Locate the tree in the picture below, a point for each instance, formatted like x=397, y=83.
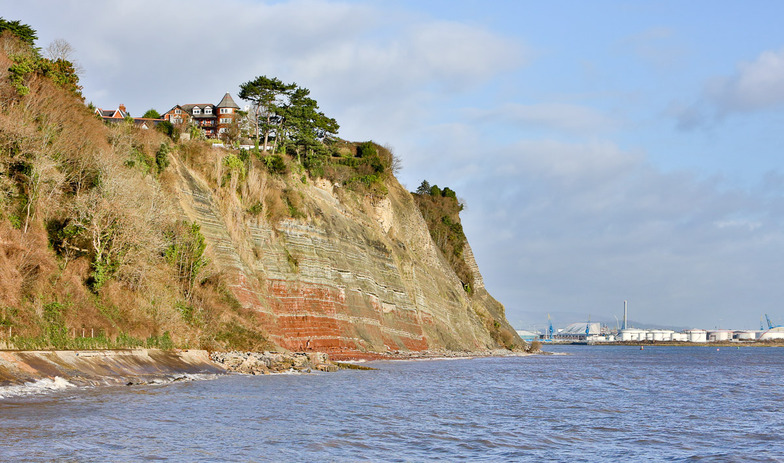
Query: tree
x=267, y=95
x=303, y=124
x=60, y=49
x=152, y=114
x=424, y=188
x=26, y=33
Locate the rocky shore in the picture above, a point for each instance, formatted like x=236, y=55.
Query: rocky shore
x=264, y=363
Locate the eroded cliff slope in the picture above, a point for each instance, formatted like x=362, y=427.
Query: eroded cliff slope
x=351, y=274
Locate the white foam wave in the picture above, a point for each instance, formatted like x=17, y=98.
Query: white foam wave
x=41, y=386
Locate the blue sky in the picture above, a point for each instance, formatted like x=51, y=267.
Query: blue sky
x=606, y=150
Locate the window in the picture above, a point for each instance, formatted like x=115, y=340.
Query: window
x=208, y=110
x=196, y=110
x=221, y=130
x=225, y=110
x=177, y=111
x=225, y=120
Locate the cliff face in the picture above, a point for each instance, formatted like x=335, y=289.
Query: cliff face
x=354, y=275
x=94, y=252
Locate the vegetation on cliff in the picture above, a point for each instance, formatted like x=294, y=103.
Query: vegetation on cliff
x=94, y=251
x=441, y=210
x=91, y=251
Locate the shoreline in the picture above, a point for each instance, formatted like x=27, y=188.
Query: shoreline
x=34, y=372
x=103, y=367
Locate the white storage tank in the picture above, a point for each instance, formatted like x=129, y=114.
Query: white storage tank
x=773, y=333
x=745, y=335
x=719, y=335
x=632, y=334
x=680, y=337
x=697, y=335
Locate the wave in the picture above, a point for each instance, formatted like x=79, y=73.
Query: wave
x=41, y=386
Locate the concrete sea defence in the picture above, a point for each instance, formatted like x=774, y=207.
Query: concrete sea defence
x=143, y=366
x=132, y=366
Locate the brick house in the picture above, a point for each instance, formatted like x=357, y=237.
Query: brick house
x=213, y=119
x=119, y=115
x=116, y=114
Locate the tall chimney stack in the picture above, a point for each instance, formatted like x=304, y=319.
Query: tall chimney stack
x=624, y=314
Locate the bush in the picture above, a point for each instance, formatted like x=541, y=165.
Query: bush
x=275, y=164
x=186, y=253
x=166, y=128
x=162, y=157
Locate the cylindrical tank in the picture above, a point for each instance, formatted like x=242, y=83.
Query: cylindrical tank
x=773, y=333
x=631, y=334
x=680, y=337
x=697, y=335
x=745, y=335
x=719, y=335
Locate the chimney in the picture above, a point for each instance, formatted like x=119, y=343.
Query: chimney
x=624, y=315
x=122, y=108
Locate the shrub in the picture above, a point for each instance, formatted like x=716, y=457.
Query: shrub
x=186, y=253
x=275, y=164
x=166, y=128
x=162, y=157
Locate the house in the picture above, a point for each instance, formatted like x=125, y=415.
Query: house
x=112, y=114
x=120, y=114
x=213, y=119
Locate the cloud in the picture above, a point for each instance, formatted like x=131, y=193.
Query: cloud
x=755, y=86
x=369, y=66
x=657, y=46
x=583, y=226
x=557, y=116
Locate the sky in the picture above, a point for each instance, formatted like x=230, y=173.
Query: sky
x=605, y=150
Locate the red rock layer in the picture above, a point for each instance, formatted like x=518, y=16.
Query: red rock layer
x=308, y=316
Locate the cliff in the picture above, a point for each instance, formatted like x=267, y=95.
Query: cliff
x=351, y=276
x=113, y=236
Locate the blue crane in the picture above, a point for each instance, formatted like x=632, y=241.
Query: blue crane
x=770, y=323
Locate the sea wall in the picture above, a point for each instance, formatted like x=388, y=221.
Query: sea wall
x=103, y=367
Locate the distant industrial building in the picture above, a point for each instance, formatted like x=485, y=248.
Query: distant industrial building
x=596, y=333
x=578, y=332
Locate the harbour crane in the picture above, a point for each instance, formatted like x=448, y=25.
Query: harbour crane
x=770, y=323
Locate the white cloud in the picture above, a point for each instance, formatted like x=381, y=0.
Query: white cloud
x=657, y=46
x=755, y=86
x=583, y=226
x=558, y=116
x=369, y=66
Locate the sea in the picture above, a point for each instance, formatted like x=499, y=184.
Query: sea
x=583, y=403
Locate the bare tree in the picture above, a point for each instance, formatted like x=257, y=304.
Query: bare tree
x=61, y=49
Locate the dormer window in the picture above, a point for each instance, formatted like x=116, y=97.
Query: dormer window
x=208, y=110
x=196, y=111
